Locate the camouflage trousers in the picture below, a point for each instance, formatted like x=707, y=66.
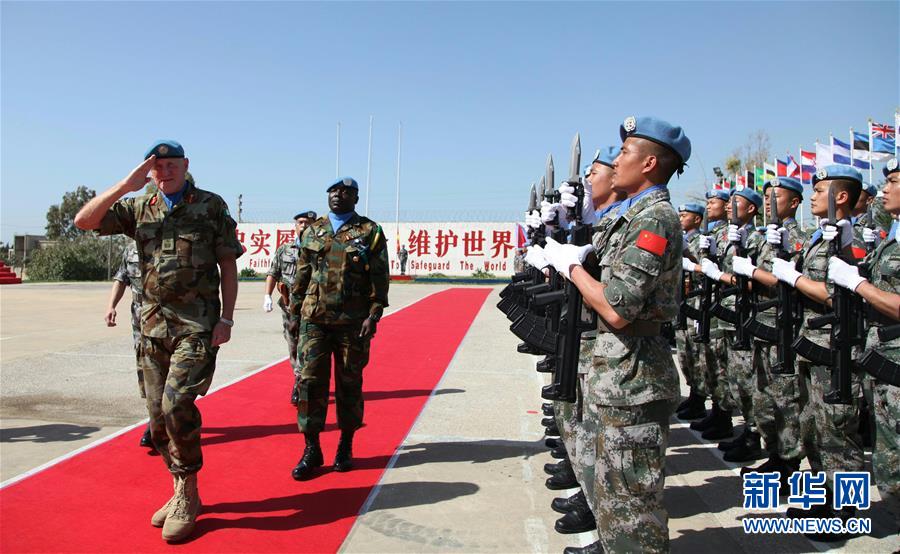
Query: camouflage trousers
x=886, y=456
x=584, y=430
x=566, y=414
x=317, y=345
x=136, y=337
x=830, y=431
x=708, y=368
x=723, y=391
x=288, y=336
x=176, y=371
x=740, y=377
x=630, y=476
x=776, y=404
x=688, y=356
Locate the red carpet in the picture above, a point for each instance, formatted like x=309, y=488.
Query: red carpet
x=101, y=500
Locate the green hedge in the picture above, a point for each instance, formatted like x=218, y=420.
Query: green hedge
x=81, y=259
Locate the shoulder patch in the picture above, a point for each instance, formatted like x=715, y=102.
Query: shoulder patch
x=651, y=242
x=858, y=253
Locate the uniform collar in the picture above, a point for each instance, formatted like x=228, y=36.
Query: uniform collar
x=634, y=200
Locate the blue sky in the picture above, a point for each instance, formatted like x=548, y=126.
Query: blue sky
x=484, y=90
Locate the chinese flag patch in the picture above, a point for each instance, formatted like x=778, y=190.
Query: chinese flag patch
x=798, y=246
x=858, y=253
x=651, y=242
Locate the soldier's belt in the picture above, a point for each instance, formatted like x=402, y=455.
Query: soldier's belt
x=818, y=355
x=880, y=367
x=874, y=316
x=639, y=328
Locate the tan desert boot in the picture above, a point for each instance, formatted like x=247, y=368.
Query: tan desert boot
x=183, y=511
x=159, y=517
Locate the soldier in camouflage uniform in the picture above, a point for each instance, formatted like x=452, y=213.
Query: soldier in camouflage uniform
x=739, y=370
x=129, y=275
x=776, y=397
x=830, y=431
x=882, y=293
x=340, y=291
x=281, y=274
x=184, y=236
x=690, y=216
x=634, y=382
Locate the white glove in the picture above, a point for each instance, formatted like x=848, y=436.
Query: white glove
x=869, y=235
x=696, y=327
x=706, y=242
x=563, y=256
x=774, y=235
x=533, y=219
x=710, y=269
x=785, y=272
x=830, y=232
x=688, y=265
x=568, y=199
x=734, y=233
x=267, y=303
x=567, y=195
x=843, y=274
x=549, y=211
x=743, y=266
x=535, y=257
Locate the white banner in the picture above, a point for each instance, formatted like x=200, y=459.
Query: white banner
x=450, y=248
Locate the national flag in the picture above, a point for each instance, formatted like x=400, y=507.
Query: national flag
x=759, y=177
x=793, y=168
x=807, y=166
x=840, y=152
x=770, y=172
x=521, y=237
x=884, y=140
x=823, y=156
x=749, y=177
x=741, y=181
x=781, y=168
x=860, y=146
x=651, y=242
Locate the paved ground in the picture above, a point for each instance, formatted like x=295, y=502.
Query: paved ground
x=468, y=478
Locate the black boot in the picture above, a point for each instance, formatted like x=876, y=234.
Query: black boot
x=721, y=427
x=725, y=446
x=559, y=452
x=770, y=465
x=545, y=365
x=295, y=394
x=312, y=458
x=593, y=548
x=525, y=348
x=547, y=409
x=704, y=423
x=343, y=459
x=548, y=421
x=565, y=479
x=552, y=442
x=145, y=438
x=549, y=392
x=747, y=451
x=566, y=505
x=579, y=520
x=552, y=431
x=786, y=469
x=553, y=469
x=843, y=514
x=693, y=408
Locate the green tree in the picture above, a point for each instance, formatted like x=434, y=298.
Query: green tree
x=61, y=217
x=751, y=154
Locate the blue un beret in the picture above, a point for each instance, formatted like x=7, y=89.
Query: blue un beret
x=165, y=148
x=870, y=188
x=606, y=155
x=721, y=194
x=348, y=182
x=692, y=207
x=891, y=167
x=838, y=172
x=751, y=195
x=658, y=131
x=788, y=183
x=309, y=214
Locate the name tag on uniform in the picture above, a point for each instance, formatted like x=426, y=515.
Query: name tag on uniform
x=168, y=245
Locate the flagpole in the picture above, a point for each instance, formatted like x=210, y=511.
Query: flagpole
x=399, y=142
x=369, y=164
x=871, y=160
x=802, y=183
x=851, y=146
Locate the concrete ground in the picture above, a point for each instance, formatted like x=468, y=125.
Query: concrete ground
x=468, y=478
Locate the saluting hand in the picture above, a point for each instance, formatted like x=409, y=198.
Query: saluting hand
x=139, y=176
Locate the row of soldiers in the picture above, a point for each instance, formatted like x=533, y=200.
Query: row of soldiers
x=645, y=266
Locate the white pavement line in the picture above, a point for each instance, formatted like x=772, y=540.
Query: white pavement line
x=98, y=442
x=390, y=465
x=218, y=359
x=536, y=533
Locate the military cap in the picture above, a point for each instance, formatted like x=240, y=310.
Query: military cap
x=348, y=182
x=165, y=148
x=870, y=188
x=658, y=131
x=838, y=172
x=788, y=183
x=751, y=195
x=309, y=214
x=692, y=207
x=721, y=194
x=607, y=155
x=891, y=167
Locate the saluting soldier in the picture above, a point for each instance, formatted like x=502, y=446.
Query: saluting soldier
x=281, y=276
x=185, y=237
x=339, y=294
x=882, y=293
x=633, y=381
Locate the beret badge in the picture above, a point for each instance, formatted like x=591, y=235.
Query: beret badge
x=821, y=174
x=630, y=124
x=892, y=164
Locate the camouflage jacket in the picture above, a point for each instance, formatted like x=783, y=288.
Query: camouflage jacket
x=130, y=271
x=767, y=254
x=752, y=244
x=179, y=253
x=884, y=268
x=341, y=278
x=640, y=263
x=815, y=266
x=284, y=263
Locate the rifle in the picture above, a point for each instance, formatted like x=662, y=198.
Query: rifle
x=687, y=286
x=705, y=291
x=743, y=301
